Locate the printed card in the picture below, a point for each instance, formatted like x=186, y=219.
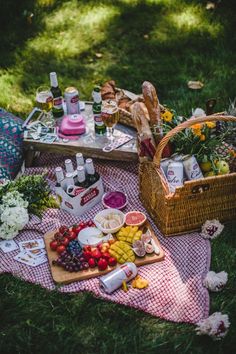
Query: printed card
x=36, y=253
x=25, y=258
x=8, y=246
x=31, y=245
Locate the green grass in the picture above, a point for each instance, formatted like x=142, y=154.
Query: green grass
x=168, y=42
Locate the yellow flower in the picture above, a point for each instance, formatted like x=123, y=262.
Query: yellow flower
x=197, y=132
x=202, y=137
x=210, y=124
x=167, y=116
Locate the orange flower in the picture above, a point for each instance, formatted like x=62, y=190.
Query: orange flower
x=197, y=126
x=202, y=137
x=197, y=132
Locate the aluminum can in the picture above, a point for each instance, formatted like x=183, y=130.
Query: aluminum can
x=72, y=100
x=113, y=280
x=176, y=157
x=191, y=168
x=164, y=165
x=175, y=174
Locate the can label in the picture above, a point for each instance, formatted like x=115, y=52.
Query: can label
x=127, y=270
x=75, y=99
x=72, y=100
x=175, y=173
x=192, y=168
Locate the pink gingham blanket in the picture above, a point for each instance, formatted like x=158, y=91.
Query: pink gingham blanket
x=175, y=291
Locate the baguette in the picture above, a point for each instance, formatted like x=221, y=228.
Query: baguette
x=145, y=137
x=154, y=109
x=151, y=102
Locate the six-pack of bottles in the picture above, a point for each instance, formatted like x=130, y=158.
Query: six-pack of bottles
x=79, y=188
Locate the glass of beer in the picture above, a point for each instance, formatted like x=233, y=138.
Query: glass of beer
x=44, y=101
x=110, y=116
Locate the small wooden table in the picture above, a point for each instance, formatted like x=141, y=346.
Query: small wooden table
x=89, y=144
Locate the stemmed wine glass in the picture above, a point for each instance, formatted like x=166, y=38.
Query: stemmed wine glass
x=44, y=101
x=110, y=117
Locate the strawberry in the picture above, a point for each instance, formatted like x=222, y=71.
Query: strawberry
x=102, y=264
x=96, y=254
x=92, y=263
x=112, y=261
x=87, y=255
x=106, y=255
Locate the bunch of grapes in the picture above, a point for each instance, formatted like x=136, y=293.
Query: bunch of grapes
x=70, y=262
x=74, y=248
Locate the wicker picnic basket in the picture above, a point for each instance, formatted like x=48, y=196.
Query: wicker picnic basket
x=196, y=201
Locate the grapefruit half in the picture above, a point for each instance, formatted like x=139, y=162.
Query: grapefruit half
x=135, y=218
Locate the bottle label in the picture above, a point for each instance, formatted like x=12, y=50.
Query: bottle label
x=98, y=120
x=57, y=102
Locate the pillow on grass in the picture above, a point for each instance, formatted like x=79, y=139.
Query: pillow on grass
x=11, y=144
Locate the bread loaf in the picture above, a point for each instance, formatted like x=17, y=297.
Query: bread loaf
x=154, y=110
x=147, y=145
x=141, y=119
x=151, y=102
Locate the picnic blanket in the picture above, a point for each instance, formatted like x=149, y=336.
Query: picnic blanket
x=175, y=291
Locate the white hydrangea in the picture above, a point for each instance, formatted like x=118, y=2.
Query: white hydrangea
x=8, y=232
x=14, y=198
x=13, y=215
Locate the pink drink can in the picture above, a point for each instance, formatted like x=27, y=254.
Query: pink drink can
x=113, y=280
x=191, y=168
x=175, y=174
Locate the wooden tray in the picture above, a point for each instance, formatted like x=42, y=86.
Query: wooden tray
x=64, y=277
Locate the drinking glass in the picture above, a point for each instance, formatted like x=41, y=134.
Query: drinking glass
x=110, y=117
x=44, y=101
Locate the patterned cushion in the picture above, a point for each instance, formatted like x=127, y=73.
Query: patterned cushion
x=11, y=144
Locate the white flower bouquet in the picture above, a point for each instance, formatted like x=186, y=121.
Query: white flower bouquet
x=13, y=214
x=28, y=194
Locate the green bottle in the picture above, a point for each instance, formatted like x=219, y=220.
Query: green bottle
x=99, y=126
x=57, y=108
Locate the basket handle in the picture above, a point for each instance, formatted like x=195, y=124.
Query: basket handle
x=187, y=124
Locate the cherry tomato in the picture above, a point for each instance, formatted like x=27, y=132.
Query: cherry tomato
x=82, y=224
x=53, y=245
x=63, y=229
x=74, y=228
x=65, y=241
x=61, y=249
x=90, y=223
x=71, y=235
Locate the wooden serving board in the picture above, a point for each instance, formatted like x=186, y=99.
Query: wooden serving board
x=64, y=277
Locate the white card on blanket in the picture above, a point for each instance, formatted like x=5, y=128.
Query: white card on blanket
x=8, y=246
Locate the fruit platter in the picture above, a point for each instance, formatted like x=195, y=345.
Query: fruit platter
x=95, y=247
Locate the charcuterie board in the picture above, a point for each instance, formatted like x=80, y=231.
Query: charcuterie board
x=62, y=276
